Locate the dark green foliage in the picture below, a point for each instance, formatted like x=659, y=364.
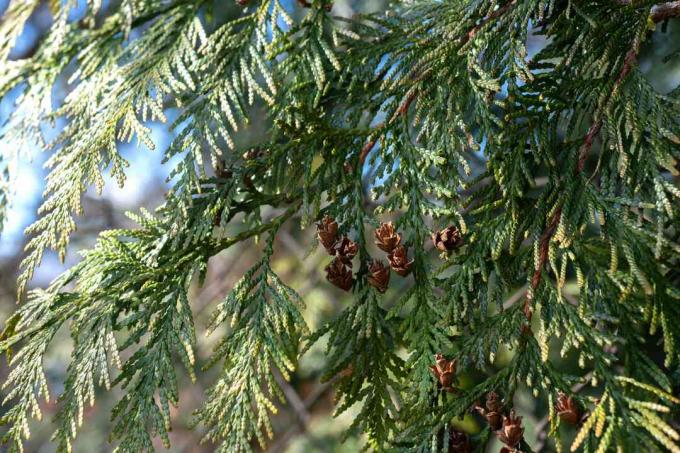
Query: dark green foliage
x=558, y=170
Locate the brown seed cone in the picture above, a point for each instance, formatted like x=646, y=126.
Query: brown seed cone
x=339, y=274
x=399, y=261
x=492, y=411
x=509, y=450
x=386, y=238
x=447, y=239
x=493, y=402
x=346, y=249
x=567, y=409
x=444, y=370
x=459, y=442
x=379, y=275
x=512, y=431
x=327, y=232
x=493, y=418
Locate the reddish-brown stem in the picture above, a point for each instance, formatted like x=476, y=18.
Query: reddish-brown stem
x=365, y=150
x=594, y=130
x=403, y=108
x=628, y=63
x=494, y=15
x=544, y=243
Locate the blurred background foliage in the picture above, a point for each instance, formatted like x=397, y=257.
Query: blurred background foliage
x=307, y=424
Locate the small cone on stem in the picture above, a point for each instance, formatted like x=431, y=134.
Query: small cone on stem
x=379, y=275
x=448, y=239
x=387, y=239
x=327, y=232
x=339, y=274
x=511, y=432
x=444, y=370
x=399, y=261
x=567, y=409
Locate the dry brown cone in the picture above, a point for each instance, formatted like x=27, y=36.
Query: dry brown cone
x=512, y=431
x=492, y=411
x=379, y=275
x=345, y=250
x=386, y=238
x=567, y=409
x=447, y=239
x=339, y=274
x=399, y=261
x=459, y=442
x=327, y=232
x=444, y=370
x=510, y=450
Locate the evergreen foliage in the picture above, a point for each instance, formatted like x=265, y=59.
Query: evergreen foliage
x=558, y=166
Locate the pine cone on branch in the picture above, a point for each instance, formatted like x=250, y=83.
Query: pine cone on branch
x=444, y=370
x=327, y=232
x=567, y=409
x=345, y=250
x=339, y=274
x=448, y=239
x=505, y=449
x=379, y=275
x=492, y=411
x=399, y=261
x=512, y=431
x=386, y=238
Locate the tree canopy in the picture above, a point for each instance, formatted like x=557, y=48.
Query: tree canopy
x=508, y=161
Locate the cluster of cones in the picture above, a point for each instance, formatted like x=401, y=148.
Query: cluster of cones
x=508, y=428
x=389, y=241
x=339, y=271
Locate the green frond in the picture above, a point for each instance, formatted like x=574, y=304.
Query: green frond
x=264, y=327
x=530, y=128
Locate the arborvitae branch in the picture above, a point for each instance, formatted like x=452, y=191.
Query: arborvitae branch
x=554, y=173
